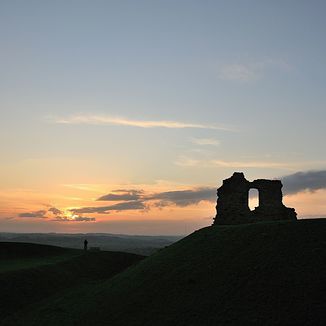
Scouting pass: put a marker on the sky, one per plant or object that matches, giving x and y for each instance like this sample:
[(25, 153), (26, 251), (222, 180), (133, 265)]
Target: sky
[(125, 116)]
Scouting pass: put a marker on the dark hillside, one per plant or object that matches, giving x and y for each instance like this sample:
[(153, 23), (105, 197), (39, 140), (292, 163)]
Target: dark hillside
[(42, 271), (13, 250), (258, 274)]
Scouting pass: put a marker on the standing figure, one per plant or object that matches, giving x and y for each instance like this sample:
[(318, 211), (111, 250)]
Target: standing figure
[(85, 245)]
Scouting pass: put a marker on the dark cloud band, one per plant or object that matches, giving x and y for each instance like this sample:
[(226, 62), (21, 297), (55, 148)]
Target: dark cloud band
[(35, 214), (139, 200), (129, 205), (122, 195), (57, 215), (74, 219), (304, 181), (184, 198)]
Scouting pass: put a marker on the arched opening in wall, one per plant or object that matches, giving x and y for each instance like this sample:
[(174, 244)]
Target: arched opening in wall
[(253, 199)]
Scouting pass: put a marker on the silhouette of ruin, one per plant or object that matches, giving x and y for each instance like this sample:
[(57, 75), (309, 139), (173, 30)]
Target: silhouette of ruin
[(233, 197)]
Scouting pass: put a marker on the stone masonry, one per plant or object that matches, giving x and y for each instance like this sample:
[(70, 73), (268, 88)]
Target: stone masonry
[(233, 196)]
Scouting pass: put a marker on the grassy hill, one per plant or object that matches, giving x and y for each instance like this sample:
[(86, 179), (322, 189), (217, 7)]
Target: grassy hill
[(30, 273), (258, 274)]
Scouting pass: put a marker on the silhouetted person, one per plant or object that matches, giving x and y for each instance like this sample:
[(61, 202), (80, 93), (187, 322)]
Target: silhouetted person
[(85, 245)]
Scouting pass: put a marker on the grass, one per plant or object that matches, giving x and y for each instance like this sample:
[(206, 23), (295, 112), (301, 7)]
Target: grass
[(18, 256), (30, 273), (258, 274)]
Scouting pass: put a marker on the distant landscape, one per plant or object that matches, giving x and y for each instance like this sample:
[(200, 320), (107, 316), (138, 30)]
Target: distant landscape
[(137, 244)]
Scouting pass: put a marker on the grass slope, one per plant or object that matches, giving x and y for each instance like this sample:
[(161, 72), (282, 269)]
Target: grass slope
[(13, 250), (258, 274), (29, 273), (17, 256)]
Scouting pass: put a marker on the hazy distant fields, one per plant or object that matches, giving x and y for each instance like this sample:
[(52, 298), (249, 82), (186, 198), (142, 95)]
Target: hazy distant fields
[(142, 245)]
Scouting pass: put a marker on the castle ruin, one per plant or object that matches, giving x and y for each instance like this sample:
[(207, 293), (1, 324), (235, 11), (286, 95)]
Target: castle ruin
[(233, 197)]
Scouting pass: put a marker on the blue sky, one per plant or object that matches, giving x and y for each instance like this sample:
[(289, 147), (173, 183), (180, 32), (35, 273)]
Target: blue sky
[(180, 93)]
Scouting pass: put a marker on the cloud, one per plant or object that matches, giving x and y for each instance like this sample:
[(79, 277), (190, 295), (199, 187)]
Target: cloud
[(187, 161), (250, 71), (85, 187), (58, 215), (250, 164), (184, 198), (119, 121), (134, 199), (74, 219), (205, 141), (35, 214), (55, 211), (128, 205), (190, 162), (179, 198), (304, 181), (123, 195), (84, 219), (239, 72)]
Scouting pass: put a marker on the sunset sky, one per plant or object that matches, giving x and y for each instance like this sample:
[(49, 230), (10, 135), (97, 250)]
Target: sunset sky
[(125, 116)]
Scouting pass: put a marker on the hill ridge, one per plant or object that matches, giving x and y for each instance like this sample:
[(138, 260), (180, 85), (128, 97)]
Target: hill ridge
[(265, 273)]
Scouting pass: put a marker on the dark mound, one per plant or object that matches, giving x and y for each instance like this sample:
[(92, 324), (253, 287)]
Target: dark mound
[(259, 274), (52, 270), (13, 250)]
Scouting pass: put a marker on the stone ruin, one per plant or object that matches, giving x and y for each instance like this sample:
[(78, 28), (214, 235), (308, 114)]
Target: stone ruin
[(233, 197)]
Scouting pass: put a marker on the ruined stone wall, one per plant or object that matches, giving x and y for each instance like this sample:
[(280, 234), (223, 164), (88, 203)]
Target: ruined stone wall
[(233, 196), (232, 202)]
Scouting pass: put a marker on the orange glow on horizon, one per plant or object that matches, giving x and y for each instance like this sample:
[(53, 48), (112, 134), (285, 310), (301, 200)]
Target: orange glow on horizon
[(67, 198)]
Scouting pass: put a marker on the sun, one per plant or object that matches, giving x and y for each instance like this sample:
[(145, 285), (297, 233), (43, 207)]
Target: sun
[(70, 215)]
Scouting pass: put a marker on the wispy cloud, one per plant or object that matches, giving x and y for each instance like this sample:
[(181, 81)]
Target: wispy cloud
[(122, 195), (239, 72), (186, 161), (74, 219), (184, 198), (252, 70), (55, 214), (84, 187), (190, 162), (55, 211), (147, 200), (250, 164), (120, 121), (205, 141), (35, 214), (124, 206)]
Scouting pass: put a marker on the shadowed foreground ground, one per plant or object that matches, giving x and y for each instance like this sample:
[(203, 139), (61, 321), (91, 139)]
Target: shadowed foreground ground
[(258, 274), (30, 273)]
